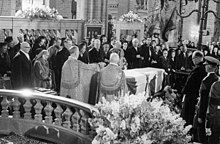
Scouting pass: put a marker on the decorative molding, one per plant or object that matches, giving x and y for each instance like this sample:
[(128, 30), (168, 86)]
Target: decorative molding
[(94, 21)]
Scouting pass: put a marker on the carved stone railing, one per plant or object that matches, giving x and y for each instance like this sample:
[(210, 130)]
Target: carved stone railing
[(12, 26), (25, 110)]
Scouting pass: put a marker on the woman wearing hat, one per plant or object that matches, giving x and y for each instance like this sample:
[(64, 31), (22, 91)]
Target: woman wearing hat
[(5, 62), (83, 54), (41, 70)]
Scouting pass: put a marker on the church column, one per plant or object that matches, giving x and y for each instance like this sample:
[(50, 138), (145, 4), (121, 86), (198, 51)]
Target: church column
[(81, 9), (47, 3), (105, 15), (91, 9), (26, 3), (13, 7)]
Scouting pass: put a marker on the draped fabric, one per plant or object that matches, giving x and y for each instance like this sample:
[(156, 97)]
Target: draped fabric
[(111, 82), (41, 73), (169, 25), (5, 63), (76, 78)]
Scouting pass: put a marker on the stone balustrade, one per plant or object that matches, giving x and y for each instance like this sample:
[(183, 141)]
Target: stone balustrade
[(24, 110), (12, 26)]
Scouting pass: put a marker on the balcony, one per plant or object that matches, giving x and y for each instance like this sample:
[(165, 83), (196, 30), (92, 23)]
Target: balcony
[(48, 117)]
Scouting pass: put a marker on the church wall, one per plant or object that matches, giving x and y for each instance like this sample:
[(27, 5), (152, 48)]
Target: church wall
[(64, 8), (217, 25), (191, 27), (210, 23), (7, 7)]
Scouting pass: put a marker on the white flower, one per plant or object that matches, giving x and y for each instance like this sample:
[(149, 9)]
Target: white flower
[(137, 121), (123, 125), (152, 119), (130, 17), (96, 142), (186, 129), (59, 17), (18, 13)]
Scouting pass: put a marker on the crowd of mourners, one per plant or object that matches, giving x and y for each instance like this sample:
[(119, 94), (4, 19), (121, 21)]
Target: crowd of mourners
[(48, 56), (39, 64)]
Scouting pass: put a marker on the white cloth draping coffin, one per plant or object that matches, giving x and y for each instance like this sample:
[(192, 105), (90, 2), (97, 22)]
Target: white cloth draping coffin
[(76, 79), (144, 79)]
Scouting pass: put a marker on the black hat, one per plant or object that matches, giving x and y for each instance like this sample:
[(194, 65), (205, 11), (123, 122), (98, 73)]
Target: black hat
[(211, 60)]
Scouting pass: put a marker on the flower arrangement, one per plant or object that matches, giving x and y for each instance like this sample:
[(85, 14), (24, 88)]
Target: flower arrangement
[(132, 119), (43, 12), (131, 17)]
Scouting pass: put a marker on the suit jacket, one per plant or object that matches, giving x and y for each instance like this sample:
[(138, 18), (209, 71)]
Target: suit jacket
[(145, 52), (105, 56), (172, 63), (61, 57), (193, 82), (178, 62), (21, 71), (184, 60), (190, 63), (94, 56), (5, 63), (155, 57), (16, 49), (204, 94), (164, 63), (213, 113), (134, 62), (191, 90), (84, 58)]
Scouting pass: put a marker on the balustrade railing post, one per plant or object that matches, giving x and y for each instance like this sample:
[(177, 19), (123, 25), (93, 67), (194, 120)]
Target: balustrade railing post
[(16, 106), (4, 104), (84, 122), (58, 111), (38, 109), (48, 110), (70, 116), (75, 120), (67, 114), (27, 107)]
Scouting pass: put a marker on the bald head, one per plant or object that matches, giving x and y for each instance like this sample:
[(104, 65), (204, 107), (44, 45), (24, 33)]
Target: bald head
[(118, 44), (197, 57), (135, 42), (74, 52), (20, 38), (114, 58), (25, 47), (97, 44)]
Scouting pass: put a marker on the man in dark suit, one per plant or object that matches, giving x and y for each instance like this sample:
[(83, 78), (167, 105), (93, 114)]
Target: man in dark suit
[(210, 66), (164, 61), (191, 89), (134, 55), (21, 68), (10, 43), (60, 58), (146, 52), (94, 53), (105, 52), (156, 53), (17, 47), (183, 58), (21, 74)]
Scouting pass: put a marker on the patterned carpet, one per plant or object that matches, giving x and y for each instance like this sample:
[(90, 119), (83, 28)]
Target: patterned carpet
[(17, 139)]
